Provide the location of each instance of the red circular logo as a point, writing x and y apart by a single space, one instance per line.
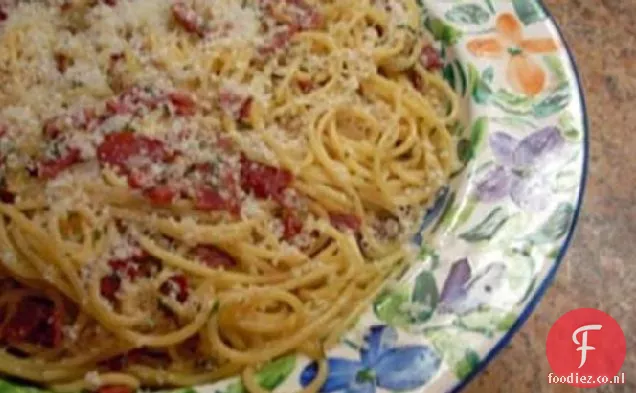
586 348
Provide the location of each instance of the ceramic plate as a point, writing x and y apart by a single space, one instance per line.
493 241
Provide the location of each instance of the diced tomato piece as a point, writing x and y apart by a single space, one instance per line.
343 221
36 321
49 169
176 287
430 59
111 3
118 148
184 103
3 15
214 257
188 18
208 199
292 223
161 195
115 389
109 286
263 180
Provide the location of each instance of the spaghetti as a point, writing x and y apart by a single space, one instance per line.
191 189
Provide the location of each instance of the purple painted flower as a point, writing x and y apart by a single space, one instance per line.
462 293
382 364
518 171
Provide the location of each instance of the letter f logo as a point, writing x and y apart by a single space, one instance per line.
583 345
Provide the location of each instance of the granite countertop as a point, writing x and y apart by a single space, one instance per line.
599 270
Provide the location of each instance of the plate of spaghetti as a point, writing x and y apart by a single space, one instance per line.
278 195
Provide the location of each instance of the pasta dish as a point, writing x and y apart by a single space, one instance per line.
190 189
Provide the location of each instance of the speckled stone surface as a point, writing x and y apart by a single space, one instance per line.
600 268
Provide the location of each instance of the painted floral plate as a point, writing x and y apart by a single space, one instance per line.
493 241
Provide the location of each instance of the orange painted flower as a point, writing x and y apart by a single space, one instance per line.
524 74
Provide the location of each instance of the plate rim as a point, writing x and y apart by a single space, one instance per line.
547 282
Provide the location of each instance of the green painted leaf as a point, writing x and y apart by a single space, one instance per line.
528 11
456 352
271 376
427 253
556 226
465 366
566 181
464 150
274 373
568 127
486 229
553 103
513 103
9 387
425 296
478 133
462 77
480 84
491 7
468 14
555 65
389 306
488 321
514 122
521 272
449 75
443 32
235 387
507 322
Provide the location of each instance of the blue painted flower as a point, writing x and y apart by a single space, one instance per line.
381 364
520 169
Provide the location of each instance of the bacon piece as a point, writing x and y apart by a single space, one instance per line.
430 59
184 103
6 196
49 169
214 257
135 267
109 286
293 12
305 85
235 105
176 287
161 195
263 180
343 221
3 15
118 148
188 18
208 199
62 62
115 389
280 40
36 321
111 3
292 223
